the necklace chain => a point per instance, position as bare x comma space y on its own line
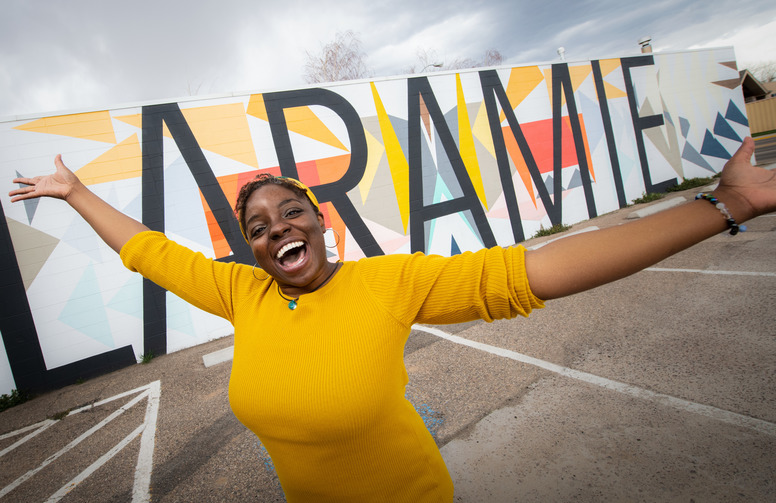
292, 303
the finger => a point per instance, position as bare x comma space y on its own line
58, 162
745, 151
21, 190
25, 181
22, 193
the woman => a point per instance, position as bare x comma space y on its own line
318, 372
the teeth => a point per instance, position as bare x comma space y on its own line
286, 248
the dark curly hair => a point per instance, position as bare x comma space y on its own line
259, 181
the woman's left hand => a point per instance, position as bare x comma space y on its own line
583, 261
748, 191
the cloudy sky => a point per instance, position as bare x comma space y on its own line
95, 54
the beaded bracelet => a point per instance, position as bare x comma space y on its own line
732, 225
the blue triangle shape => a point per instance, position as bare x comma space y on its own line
713, 147
82, 237
183, 212
734, 114
667, 116
550, 184
689, 153
685, 126
454, 248
576, 180
30, 205
129, 298
134, 208
179, 316
723, 129
85, 311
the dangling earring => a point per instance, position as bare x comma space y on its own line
254, 272
336, 242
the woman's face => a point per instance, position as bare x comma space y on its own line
285, 233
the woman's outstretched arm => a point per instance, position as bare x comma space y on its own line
114, 227
591, 259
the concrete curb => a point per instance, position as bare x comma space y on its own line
656, 208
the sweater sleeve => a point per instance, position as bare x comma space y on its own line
488, 284
207, 284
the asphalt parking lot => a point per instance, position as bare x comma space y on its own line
660, 387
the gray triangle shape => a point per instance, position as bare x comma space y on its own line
30, 205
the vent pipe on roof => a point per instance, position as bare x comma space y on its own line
644, 42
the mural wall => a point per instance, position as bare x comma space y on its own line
441, 164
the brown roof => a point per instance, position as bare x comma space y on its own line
752, 87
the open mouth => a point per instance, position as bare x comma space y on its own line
291, 255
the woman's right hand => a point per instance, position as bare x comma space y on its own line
114, 227
59, 185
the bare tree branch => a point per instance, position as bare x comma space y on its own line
341, 59
764, 71
429, 61
493, 58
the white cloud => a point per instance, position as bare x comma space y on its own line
752, 44
86, 54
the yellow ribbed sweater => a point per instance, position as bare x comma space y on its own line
323, 386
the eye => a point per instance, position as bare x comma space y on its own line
292, 212
257, 231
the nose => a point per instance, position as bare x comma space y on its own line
279, 229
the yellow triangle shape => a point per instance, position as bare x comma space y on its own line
466, 144
613, 91
608, 65
548, 81
522, 81
137, 121
256, 107
481, 130
96, 126
300, 120
133, 120
397, 162
224, 130
303, 120
579, 74
375, 151
121, 162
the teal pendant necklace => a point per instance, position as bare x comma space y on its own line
294, 303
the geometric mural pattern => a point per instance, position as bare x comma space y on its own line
536, 144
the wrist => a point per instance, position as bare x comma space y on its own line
739, 207
76, 190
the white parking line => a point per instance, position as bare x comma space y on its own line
41, 427
142, 483
708, 271
94, 466
634, 391
141, 491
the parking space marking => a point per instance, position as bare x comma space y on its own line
94, 466
710, 271
147, 430
726, 416
141, 491
38, 427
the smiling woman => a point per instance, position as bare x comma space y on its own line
322, 384
284, 226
